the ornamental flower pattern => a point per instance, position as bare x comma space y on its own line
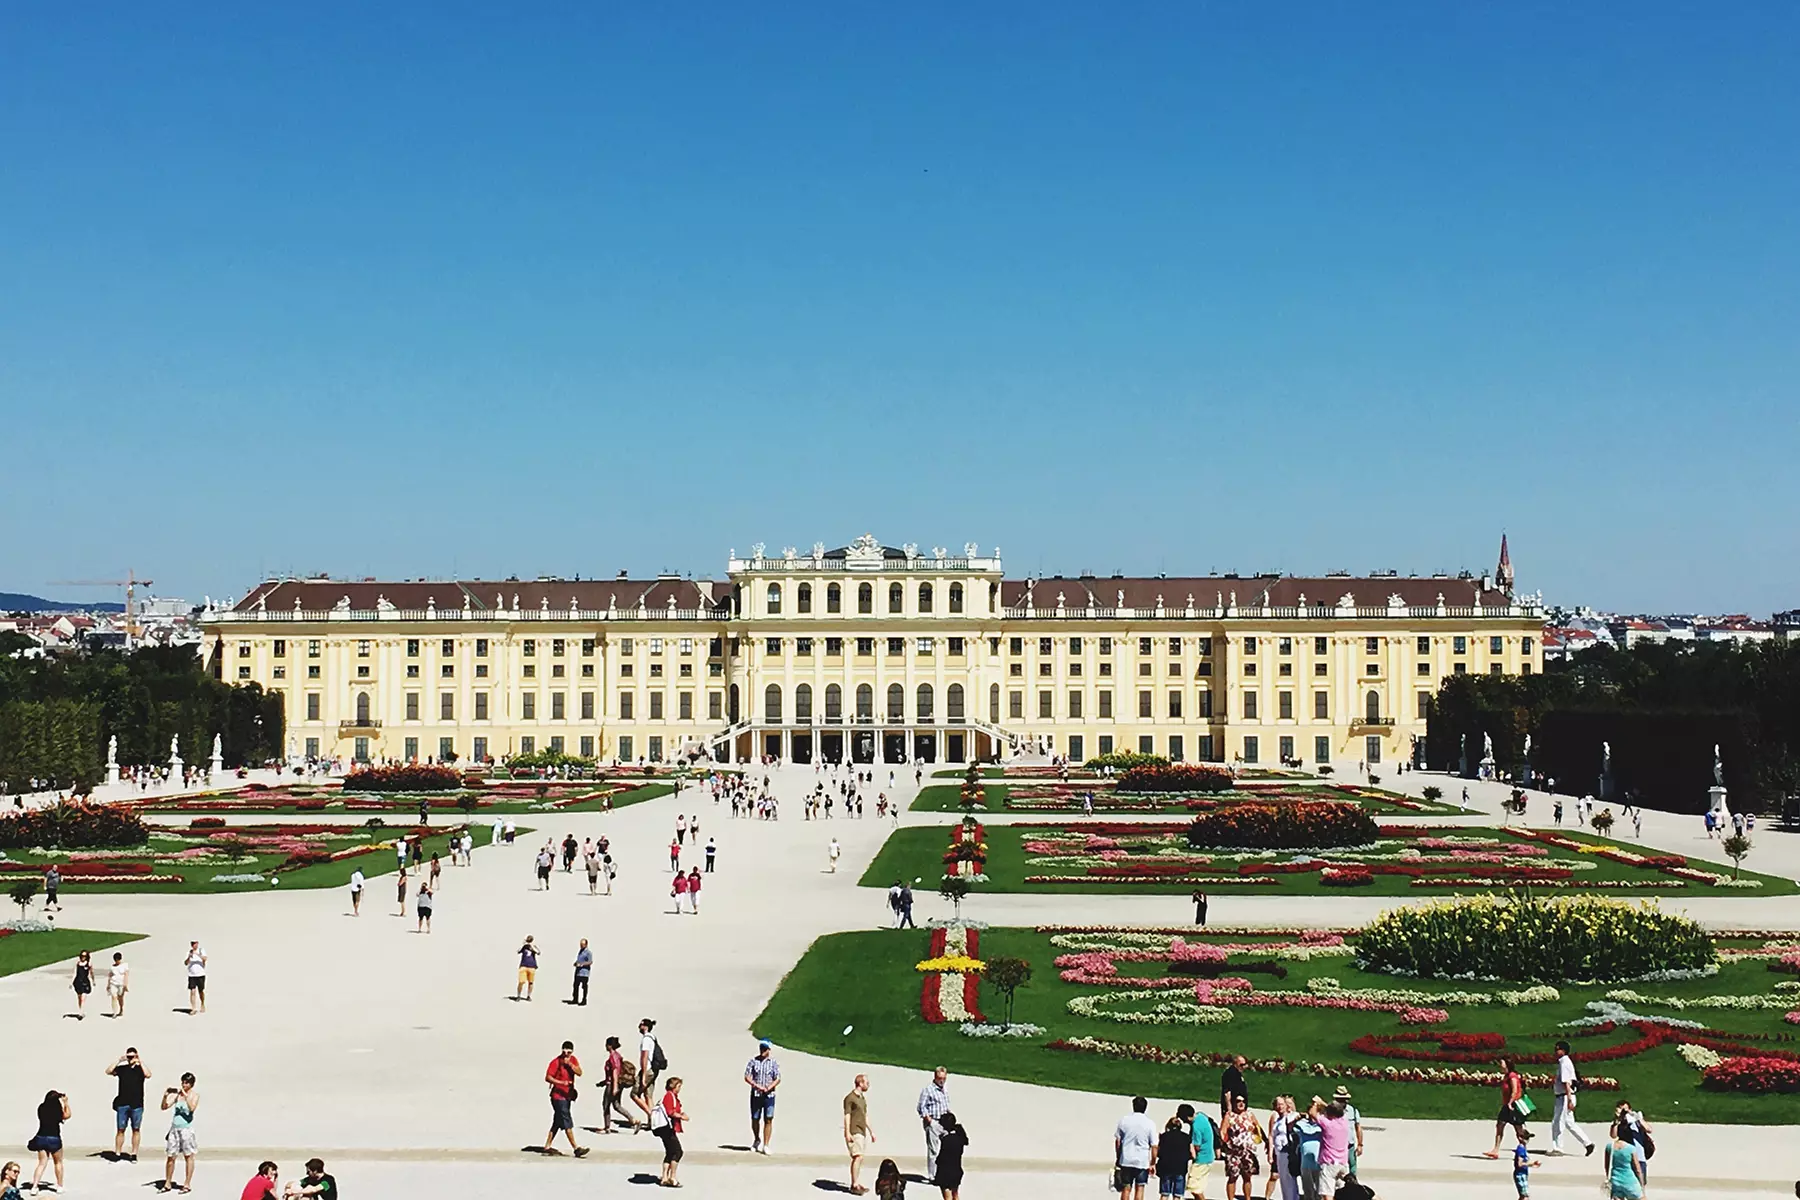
951, 993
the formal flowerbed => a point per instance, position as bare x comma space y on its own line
967, 855
1291, 825
516, 797
409, 777
951, 988
1191, 778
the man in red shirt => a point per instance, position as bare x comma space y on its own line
262, 1184
561, 1075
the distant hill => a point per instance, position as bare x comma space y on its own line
18, 602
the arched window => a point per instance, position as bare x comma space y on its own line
834, 702
994, 703
803, 599
772, 704
834, 599
896, 709
865, 699
803, 703
956, 597
774, 597
924, 706
953, 702
731, 703
1372, 705
896, 598
865, 598
362, 708
924, 597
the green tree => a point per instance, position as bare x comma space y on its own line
1737, 849
22, 893
955, 889
1432, 792
1006, 975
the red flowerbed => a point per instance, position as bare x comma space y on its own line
1346, 877
1650, 1036
409, 777
1287, 825
931, 1005
1753, 1074
1175, 777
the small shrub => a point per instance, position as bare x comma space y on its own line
1432, 792
1124, 761
23, 892
408, 777
1284, 825
1175, 777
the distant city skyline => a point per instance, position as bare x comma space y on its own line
418, 290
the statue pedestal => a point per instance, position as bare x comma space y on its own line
112, 774
1715, 800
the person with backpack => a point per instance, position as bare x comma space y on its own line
616, 1079
651, 1063
1172, 1154
1203, 1140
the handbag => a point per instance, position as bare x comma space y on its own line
1524, 1106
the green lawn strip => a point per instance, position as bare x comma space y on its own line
917, 853
866, 980
28, 951
197, 878
958, 772
939, 797
409, 806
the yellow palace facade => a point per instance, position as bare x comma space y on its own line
870, 653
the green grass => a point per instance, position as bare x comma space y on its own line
197, 878
867, 980
917, 853
28, 951
958, 772
940, 797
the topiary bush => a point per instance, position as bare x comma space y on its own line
1549, 940
73, 825
1285, 825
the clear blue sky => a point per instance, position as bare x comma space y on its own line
409, 289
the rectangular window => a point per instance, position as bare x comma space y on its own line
1146, 744
529, 671
1525, 646
1321, 749
927, 645
1286, 670
1495, 669
587, 746
447, 706
528, 706
656, 645
625, 748
1205, 748
312, 747
1424, 669
1075, 748
1249, 668
243, 672
528, 647
1204, 668
1284, 645
1321, 706
1206, 702
312, 648
1372, 645
1249, 645
1319, 670
280, 648
896, 646
1320, 646
625, 646
1525, 668
1174, 645
1074, 645
1174, 705
1045, 706
1176, 749
956, 646
446, 749
410, 750
715, 706
587, 706
1496, 645
1284, 707
527, 745
684, 706
1015, 646
478, 749
559, 706
1044, 646
865, 647
1074, 668
558, 647
1075, 704
481, 647
687, 645
1424, 705
1144, 646
1287, 749
1250, 749
481, 706
1249, 706
1106, 743
1106, 705
625, 699
834, 647
412, 647
772, 646
412, 670
412, 706
1146, 704
716, 648
447, 671
803, 646
1459, 669
556, 744
1422, 645
1106, 645
362, 648
312, 706
1459, 645
656, 706
1015, 705
1372, 669
587, 647
1043, 669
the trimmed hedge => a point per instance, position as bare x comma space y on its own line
1285, 825
1125, 760
73, 825
411, 777
1532, 939
1175, 777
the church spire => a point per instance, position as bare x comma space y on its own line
1503, 574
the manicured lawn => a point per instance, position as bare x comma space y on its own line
1050, 796
28, 951
867, 980
559, 798
917, 852
197, 876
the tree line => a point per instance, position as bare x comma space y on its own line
56, 714
1662, 707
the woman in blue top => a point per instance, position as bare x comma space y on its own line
1310, 1133
1624, 1173
1202, 1137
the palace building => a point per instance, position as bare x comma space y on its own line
871, 653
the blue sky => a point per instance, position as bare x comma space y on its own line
430, 289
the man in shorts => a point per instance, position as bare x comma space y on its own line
561, 1075
763, 1074
196, 978
858, 1133
52, 883
642, 1087
118, 982
128, 1105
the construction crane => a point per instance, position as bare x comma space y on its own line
131, 583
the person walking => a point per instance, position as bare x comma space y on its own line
712, 848
615, 1082
1562, 1114
47, 1143
592, 865
1203, 1140
52, 885
400, 890
1243, 1134
666, 1121
181, 1103
1200, 906
1173, 1151
680, 829
1625, 1175
569, 846
83, 983
1232, 1088
763, 1074
832, 852
934, 1102
545, 861
528, 964
426, 901
356, 891
651, 1063
608, 870
561, 1074
128, 1103
859, 1135
949, 1174
678, 890
893, 899
693, 891
1512, 1090
118, 982
1134, 1150
196, 978
1523, 1163
584, 967
906, 907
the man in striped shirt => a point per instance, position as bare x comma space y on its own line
763, 1074
934, 1102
